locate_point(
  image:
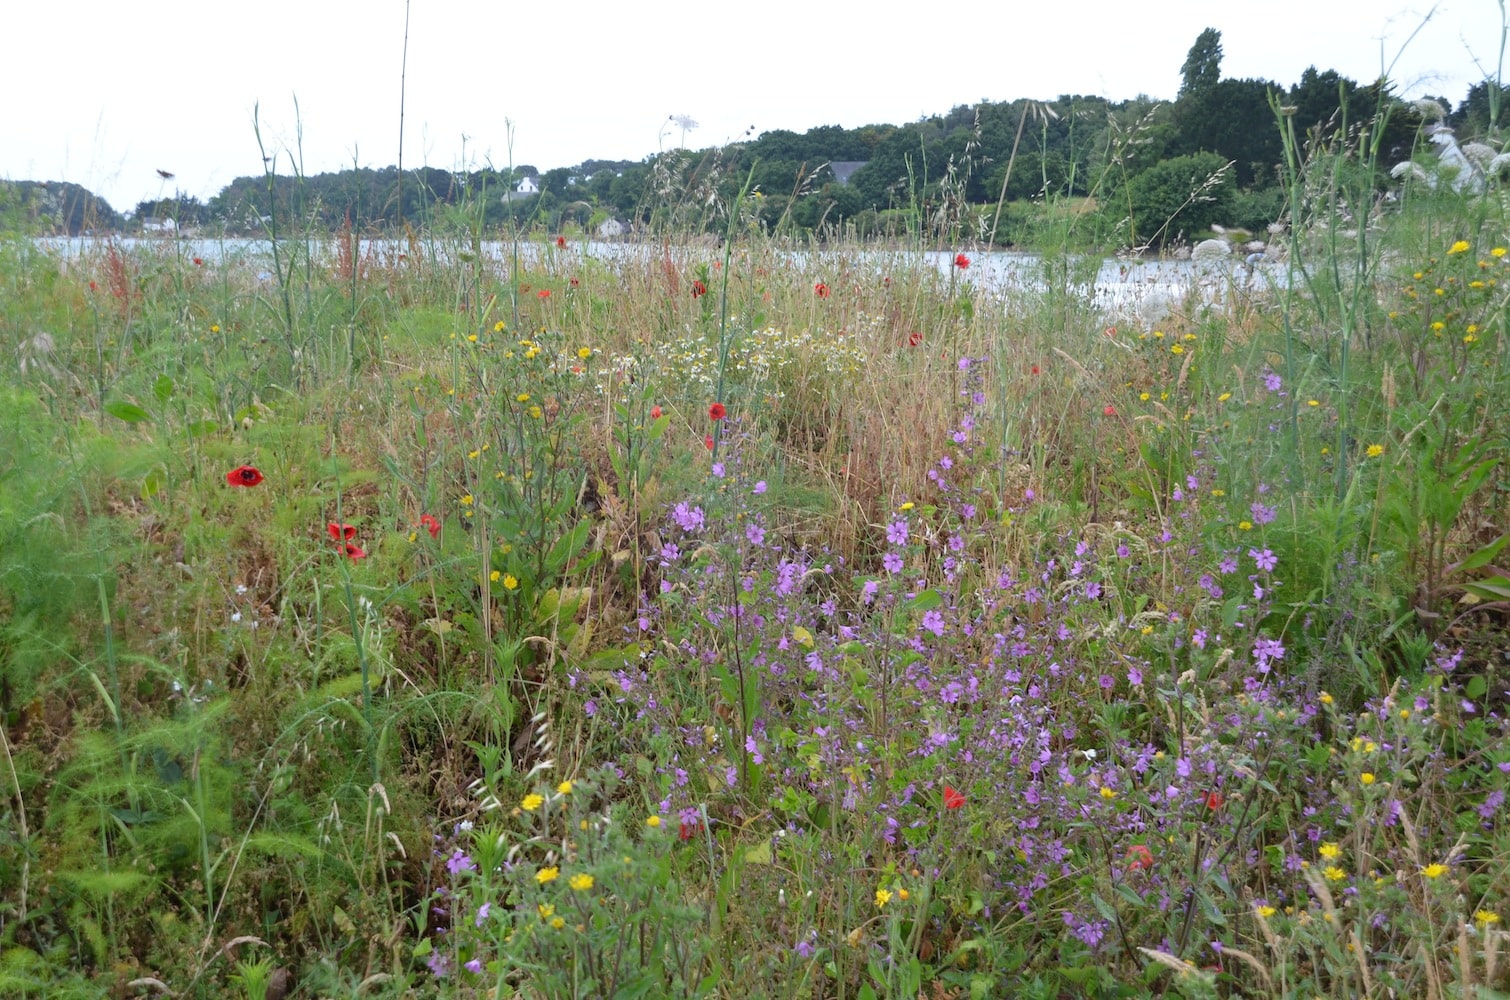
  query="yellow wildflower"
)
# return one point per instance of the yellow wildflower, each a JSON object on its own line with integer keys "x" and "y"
{"x": 495, "y": 576}
{"x": 1334, "y": 873}
{"x": 1330, "y": 851}
{"x": 557, "y": 923}
{"x": 545, "y": 875}
{"x": 1461, "y": 246}
{"x": 564, "y": 788}
{"x": 1375, "y": 450}
{"x": 1245, "y": 525}
{"x": 883, "y": 896}
{"x": 1224, "y": 397}
{"x": 1267, "y": 911}
{"x": 531, "y": 802}
{"x": 1486, "y": 918}
{"x": 510, "y": 581}
{"x": 1434, "y": 870}
{"x": 653, "y": 822}
{"x": 584, "y": 353}
{"x": 580, "y": 882}
{"x": 546, "y": 910}
{"x": 523, "y": 397}
{"x": 1107, "y": 793}
{"x": 1497, "y": 252}
{"x": 1177, "y": 349}
{"x": 1367, "y": 777}
{"x": 1326, "y": 699}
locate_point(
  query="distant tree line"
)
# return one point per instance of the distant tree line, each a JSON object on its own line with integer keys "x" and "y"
{"x": 984, "y": 170}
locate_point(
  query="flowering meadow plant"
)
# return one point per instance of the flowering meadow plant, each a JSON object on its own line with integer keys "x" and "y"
{"x": 754, "y": 621}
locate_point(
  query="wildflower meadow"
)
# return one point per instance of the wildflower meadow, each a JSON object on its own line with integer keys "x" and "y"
{"x": 489, "y": 614}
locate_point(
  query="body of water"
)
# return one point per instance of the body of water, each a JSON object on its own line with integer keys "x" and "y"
{"x": 1138, "y": 288}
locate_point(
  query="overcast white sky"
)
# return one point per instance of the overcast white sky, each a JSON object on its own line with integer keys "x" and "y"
{"x": 105, "y": 93}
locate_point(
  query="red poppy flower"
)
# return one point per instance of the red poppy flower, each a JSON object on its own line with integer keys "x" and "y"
{"x": 1035, "y": 369}
{"x": 93, "y": 287}
{"x": 686, "y": 831}
{"x": 914, "y": 338}
{"x": 430, "y": 524}
{"x": 953, "y": 799}
{"x": 1139, "y": 857}
{"x": 821, "y": 290}
{"x": 561, "y": 241}
{"x": 244, "y": 475}
{"x": 199, "y": 262}
{"x": 961, "y": 261}
{"x": 655, "y": 413}
{"x": 709, "y": 442}
{"x": 544, "y": 293}
{"x": 341, "y": 532}
{"x": 575, "y": 282}
{"x": 1110, "y": 411}
{"x": 698, "y": 289}
{"x": 354, "y": 551}
{"x": 716, "y": 411}
{"x": 1214, "y": 800}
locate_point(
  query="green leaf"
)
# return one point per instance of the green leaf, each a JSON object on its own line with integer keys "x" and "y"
{"x": 658, "y": 427}
{"x": 1476, "y": 687}
{"x": 1495, "y": 588}
{"x": 1230, "y": 611}
{"x": 153, "y": 481}
{"x": 1484, "y": 556}
{"x": 129, "y": 412}
{"x": 926, "y": 600}
{"x": 163, "y": 388}
{"x": 760, "y": 855}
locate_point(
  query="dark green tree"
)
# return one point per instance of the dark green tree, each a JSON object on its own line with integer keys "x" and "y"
{"x": 1176, "y": 199}
{"x": 1481, "y": 111}
{"x": 1319, "y": 98}
{"x": 1203, "y": 64}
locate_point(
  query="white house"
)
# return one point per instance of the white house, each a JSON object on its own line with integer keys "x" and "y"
{"x": 528, "y": 185}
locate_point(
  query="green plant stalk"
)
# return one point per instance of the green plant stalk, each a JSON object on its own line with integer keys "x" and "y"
{"x": 1291, "y": 179}
{"x": 269, "y": 165}
{"x": 723, "y": 299}
{"x": 357, "y": 639}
